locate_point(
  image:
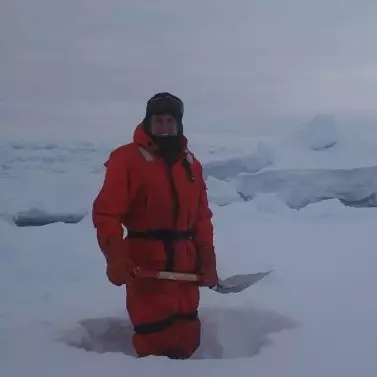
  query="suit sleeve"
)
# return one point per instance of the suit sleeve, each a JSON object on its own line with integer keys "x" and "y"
{"x": 112, "y": 202}
{"x": 204, "y": 226}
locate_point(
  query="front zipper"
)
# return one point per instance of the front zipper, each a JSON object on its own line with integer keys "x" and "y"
{"x": 175, "y": 197}
{"x": 168, "y": 244}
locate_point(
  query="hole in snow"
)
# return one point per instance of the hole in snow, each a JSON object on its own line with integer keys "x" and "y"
{"x": 226, "y": 333}
{"x": 232, "y": 333}
{"x": 37, "y": 217}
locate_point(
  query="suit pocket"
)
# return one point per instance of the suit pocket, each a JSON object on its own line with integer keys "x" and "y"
{"x": 148, "y": 254}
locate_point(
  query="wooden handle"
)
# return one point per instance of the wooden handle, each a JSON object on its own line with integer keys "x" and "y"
{"x": 177, "y": 276}
{"x": 167, "y": 275}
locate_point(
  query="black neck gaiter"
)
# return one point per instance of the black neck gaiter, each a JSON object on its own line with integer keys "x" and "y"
{"x": 170, "y": 148}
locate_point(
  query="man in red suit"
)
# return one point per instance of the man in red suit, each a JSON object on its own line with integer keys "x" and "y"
{"x": 154, "y": 187}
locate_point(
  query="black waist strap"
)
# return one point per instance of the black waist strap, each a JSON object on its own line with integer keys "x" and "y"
{"x": 167, "y": 237}
{"x": 162, "y": 234}
{"x": 149, "y": 328}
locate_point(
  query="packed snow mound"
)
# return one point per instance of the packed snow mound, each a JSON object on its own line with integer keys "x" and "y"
{"x": 298, "y": 188}
{"x": 221, "y": 192}
{"x": 226, "y": 333}
{"x": 46, "y": 182}
{"x": 269, "y": 204}
{"x": 321, "y": 132}
{"x": 231, "y": 167}
{"x": 22, "y": 158}
{"x": 37, "y": 217}
{"x": 40, "y": 196}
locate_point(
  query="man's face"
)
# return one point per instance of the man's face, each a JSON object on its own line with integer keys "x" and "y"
{"x": 163, "y": 125}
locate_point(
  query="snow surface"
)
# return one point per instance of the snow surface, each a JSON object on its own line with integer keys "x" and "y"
{"x": 315, "y": 315}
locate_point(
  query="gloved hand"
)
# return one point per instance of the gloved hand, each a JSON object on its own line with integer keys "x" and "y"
{"x": 120, "y": 270}
{"x": 208, "y": 270}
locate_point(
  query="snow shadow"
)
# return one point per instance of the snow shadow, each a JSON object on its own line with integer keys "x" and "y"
{"x": 299, "y": 188}
{"x": 231, "y": 181}
{"x": 226, "y": 333}
{"x": 37, "y": 217}
{"x": 229, "y": 168}
{"x": 239, "y": 332}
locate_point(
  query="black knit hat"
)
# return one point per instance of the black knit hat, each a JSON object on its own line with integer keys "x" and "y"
{"x": 162, "y": 103}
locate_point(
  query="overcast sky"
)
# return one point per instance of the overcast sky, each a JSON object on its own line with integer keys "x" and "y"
{"x": 88, "y": 66}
